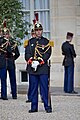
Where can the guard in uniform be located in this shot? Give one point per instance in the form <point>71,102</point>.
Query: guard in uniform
<point>68,63</point>
<point>4,48</point>
<point>10,63</point>
<point>33,35</point>
<point>37,53</point>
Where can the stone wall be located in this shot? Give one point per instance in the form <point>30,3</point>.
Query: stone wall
<point>65,16</point>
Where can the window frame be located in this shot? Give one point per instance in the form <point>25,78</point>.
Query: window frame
<point>32,10</point>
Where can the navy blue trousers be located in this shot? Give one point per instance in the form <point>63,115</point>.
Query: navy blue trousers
<point>69,78</point>
<point>30,89</point>
<point>3,82</point>
<point>12,77</point>
<point>41,80</point>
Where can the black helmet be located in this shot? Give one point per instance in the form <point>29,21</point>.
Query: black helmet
<point>38,26</point>
<point>69,34</point>
<point>32,30</point>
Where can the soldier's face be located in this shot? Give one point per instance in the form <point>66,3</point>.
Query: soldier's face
<point>38,32</point>
<point>7,36</point>
<point>70,39</point>
<point>33,35</point>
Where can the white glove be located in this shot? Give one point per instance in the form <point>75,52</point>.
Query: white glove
<point>34,65</point>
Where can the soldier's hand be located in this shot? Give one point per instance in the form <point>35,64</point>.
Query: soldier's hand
<point>41,61</point>
<point>30,60</point>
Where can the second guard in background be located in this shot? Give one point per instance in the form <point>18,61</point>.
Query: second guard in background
<point>68,63</point>
<point>33,35</point>
<point>37,53</point>
<point>10,60</point>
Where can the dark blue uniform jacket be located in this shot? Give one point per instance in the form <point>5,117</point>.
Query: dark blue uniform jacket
<point>69,53</point>
<point>3,53</point>
<point>30,50</point>
<point>10,58</point>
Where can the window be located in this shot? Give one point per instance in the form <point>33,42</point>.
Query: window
<point>23,76</point>
<point>42,8</point>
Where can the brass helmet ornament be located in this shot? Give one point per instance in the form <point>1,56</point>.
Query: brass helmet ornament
<point>37,24</point>
<point>5,29</point>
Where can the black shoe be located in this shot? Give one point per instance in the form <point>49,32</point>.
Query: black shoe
<point>31,111</point>
<point>49,110</point>
<point>4,98</point>
<point>74,92</point>
<point>14,97</point>
<point>27,101</point>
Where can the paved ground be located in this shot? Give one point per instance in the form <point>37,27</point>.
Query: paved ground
<point>65,107</point>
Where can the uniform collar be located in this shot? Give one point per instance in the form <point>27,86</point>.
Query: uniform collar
<point>39,38</point>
